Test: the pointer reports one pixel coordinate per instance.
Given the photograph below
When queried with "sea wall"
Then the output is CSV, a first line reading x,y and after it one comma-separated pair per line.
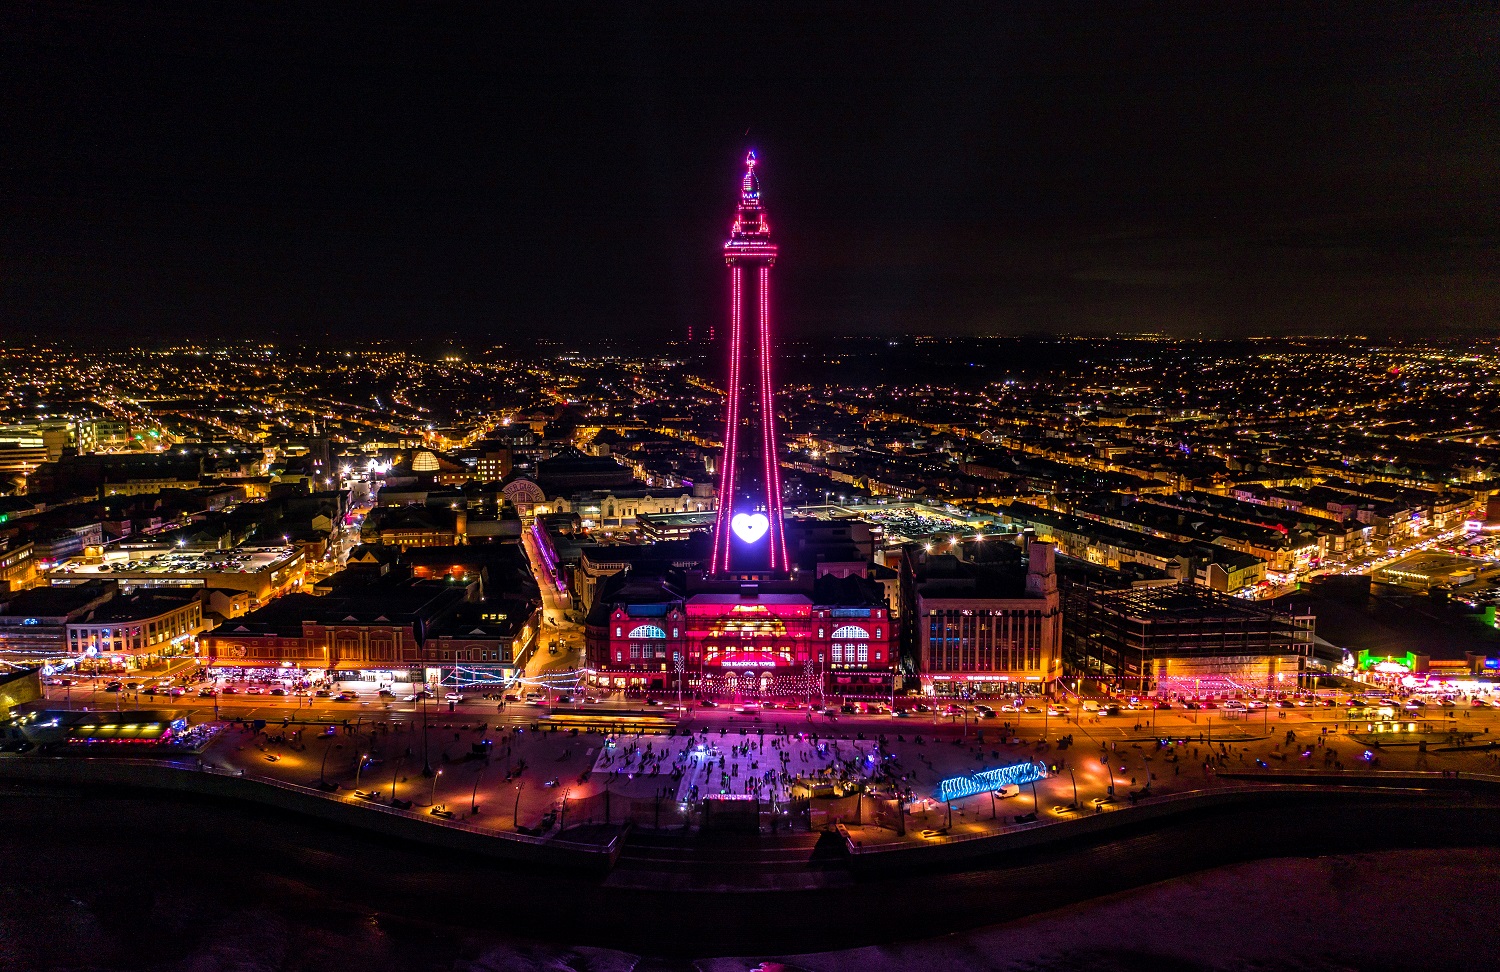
x,y
116,774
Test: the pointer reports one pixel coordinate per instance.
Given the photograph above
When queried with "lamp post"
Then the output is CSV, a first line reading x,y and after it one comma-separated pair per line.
x,y
322,767
677,664
474,797
394,773
426,760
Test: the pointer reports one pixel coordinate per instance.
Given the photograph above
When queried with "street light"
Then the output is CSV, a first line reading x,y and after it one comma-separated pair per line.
x,y
394,773
322,776
426,760
474,797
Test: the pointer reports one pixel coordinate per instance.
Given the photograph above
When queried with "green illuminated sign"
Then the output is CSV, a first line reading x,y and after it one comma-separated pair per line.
x,y
1366,661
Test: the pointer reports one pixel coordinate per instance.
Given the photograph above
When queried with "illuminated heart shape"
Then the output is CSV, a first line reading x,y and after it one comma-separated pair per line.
x,y
750,527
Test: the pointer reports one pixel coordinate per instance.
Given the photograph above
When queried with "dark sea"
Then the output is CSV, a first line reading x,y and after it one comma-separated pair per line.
x,y
130,884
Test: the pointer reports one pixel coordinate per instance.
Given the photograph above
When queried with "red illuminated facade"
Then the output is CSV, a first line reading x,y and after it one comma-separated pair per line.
x,y
780,640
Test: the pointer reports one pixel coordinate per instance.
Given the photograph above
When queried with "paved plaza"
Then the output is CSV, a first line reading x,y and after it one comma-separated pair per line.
x,y
708,763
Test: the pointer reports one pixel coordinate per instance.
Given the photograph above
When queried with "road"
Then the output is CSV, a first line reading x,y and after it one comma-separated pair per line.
x,y
1217,723
556,625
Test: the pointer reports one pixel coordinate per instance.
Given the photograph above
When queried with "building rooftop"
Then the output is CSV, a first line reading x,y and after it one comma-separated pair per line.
x,y
139,607
57,602
1182,602
170,561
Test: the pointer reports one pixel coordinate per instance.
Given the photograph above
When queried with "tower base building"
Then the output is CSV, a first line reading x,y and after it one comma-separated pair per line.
x,y
797,639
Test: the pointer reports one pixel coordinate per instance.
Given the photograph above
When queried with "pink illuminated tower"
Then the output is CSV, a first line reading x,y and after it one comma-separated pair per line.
x,y
749,535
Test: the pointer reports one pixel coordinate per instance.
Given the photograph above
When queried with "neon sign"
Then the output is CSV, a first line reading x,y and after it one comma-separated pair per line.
x,y
750,527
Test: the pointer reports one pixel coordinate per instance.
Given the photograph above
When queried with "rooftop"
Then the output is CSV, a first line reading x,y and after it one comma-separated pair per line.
x,y
170,561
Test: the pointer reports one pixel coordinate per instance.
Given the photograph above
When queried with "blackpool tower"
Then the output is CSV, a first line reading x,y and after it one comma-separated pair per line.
x,y
749,533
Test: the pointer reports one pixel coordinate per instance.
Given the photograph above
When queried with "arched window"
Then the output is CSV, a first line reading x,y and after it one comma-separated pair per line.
x,y
851,631
647,631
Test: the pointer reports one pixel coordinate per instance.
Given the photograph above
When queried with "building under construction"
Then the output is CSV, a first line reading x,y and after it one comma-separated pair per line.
x,y
1181,639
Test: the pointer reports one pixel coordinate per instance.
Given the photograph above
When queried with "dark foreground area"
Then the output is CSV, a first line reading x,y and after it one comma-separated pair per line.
x,y
118,884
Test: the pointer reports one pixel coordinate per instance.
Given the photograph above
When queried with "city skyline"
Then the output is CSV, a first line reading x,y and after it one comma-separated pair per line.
x,y
1060,169
900,487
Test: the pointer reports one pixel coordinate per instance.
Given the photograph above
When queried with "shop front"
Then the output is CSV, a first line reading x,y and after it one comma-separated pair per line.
x,y
981,685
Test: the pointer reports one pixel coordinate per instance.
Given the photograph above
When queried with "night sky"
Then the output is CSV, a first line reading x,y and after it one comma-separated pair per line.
x,y
224,170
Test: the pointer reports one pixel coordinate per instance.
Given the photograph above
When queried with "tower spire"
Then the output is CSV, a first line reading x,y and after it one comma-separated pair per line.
x,y
750,188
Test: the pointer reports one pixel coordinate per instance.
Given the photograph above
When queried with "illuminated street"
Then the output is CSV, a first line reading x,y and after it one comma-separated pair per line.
x,y
784,491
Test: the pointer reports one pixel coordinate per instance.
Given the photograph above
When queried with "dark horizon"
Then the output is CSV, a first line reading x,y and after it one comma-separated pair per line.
x,y
467,174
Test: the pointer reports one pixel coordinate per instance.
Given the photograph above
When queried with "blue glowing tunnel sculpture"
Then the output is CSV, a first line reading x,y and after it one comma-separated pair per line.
x,y
988,781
